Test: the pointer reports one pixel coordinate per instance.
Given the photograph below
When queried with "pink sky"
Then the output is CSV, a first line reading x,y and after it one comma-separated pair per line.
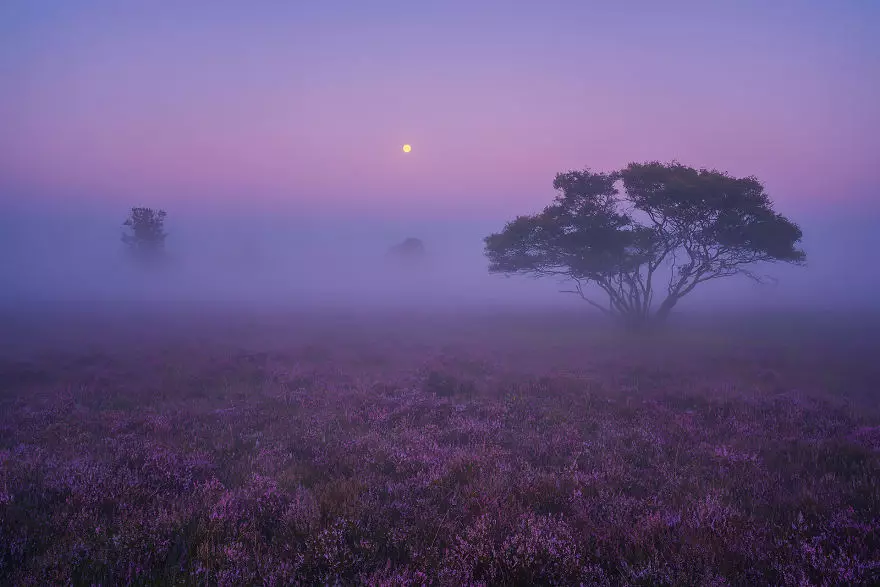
x,y
227,103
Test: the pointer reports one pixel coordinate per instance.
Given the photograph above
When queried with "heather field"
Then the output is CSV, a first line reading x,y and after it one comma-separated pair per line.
x,y
205,446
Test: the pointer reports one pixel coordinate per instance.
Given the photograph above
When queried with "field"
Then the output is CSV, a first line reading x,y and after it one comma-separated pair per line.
x,y
212,446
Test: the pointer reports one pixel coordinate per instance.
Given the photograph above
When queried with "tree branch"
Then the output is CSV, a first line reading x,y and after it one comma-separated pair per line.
x,y
580,291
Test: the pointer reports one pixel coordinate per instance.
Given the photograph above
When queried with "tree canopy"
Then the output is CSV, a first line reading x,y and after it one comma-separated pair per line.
x,y
410,251
145,239
648,228
410,246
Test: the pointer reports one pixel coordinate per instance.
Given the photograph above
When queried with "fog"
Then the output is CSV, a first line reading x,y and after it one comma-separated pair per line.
x,y
287,258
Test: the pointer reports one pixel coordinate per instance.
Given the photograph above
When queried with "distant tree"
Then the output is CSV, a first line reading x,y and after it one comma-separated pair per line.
x,y
145,239
671,224
410,250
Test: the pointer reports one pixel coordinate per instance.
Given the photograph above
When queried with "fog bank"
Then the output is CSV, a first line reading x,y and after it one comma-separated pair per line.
x,y
77,255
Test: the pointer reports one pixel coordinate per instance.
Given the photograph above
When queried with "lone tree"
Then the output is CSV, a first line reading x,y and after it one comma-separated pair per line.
x,y
669,229
410,251
145,239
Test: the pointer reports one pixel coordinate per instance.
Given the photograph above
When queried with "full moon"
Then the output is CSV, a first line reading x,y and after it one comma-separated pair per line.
x,y
407,148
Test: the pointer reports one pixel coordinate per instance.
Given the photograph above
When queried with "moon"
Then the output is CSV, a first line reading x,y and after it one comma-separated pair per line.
x,y
407,148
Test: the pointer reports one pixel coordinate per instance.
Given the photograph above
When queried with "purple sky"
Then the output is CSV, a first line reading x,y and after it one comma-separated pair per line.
x,y
308,103
274,129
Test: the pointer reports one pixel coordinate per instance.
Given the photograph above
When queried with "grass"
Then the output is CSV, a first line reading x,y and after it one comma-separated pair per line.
x,y
505,449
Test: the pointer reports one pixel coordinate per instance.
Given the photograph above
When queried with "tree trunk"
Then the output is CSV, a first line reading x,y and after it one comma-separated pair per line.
x,y
634,321
663,311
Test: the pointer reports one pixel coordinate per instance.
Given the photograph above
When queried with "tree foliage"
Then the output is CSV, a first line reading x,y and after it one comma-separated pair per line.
x,y
410,246
669,229
145,236
410,251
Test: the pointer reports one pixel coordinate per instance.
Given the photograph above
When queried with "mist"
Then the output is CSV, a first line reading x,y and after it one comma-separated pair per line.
x,y
251,259
285,258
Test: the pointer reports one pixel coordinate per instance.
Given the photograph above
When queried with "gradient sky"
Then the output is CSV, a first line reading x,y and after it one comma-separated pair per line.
x,y
306,104
271,132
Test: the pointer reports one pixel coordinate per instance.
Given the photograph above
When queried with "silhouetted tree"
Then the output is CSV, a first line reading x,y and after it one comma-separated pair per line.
x,y
698,224
145,239
410,250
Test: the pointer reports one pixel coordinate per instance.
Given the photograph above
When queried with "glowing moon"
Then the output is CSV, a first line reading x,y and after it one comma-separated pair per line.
x,y
407,148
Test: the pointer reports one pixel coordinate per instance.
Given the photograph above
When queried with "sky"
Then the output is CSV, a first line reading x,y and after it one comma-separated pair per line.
x,y
293,114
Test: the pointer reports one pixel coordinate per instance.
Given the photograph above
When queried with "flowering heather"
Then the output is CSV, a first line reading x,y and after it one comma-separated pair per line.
x,y
479,451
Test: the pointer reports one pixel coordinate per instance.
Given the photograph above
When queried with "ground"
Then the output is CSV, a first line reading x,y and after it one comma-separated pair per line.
x,y
219,446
